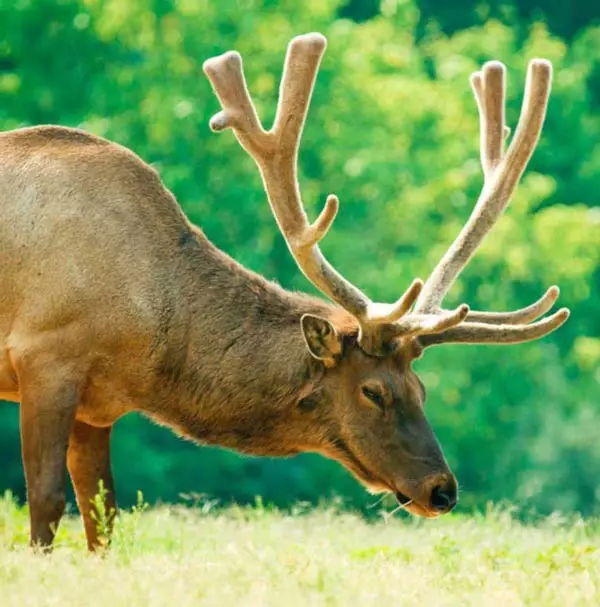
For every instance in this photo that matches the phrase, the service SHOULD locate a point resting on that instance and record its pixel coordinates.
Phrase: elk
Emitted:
(112, 301)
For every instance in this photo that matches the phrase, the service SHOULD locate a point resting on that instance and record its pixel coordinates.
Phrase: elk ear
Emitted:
(322, 340)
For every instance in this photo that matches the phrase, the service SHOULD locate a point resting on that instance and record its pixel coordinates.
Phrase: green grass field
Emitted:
(255, 556)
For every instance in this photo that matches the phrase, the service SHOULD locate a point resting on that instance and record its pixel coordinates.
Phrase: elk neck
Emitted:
(234, 366)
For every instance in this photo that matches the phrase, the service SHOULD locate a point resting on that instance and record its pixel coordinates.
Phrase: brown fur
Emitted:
(111, 301)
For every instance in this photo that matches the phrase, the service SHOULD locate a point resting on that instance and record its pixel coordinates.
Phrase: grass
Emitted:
(256, 556)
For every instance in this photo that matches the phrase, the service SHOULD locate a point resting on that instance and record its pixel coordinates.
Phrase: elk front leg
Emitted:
(88, 461)
(48, 407)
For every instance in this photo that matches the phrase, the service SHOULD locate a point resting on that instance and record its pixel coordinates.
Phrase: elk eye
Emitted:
(375, 397)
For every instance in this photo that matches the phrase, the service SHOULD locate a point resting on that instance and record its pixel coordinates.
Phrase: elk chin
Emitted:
(418, 510)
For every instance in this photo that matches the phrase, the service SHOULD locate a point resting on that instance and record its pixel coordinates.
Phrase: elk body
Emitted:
(111, 302)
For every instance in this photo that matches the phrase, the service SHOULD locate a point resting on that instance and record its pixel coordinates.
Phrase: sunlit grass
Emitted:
(256, 556)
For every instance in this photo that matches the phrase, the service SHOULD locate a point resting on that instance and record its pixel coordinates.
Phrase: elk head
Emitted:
(366, 389)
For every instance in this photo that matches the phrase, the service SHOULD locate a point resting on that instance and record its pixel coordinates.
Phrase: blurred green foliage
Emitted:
(394, 131)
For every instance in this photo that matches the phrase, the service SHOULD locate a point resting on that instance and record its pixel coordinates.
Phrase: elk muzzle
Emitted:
(438, 494)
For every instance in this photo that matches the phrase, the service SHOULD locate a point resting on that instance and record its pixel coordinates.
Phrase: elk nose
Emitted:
(444, 497)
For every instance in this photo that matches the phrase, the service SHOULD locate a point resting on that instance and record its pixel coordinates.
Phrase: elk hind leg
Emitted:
(88, 461)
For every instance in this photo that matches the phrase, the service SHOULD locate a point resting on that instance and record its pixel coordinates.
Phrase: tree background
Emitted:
(393, 130)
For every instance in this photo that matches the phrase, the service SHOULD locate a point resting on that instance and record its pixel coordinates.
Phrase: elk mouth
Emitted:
(410, 505)
(415, 507)
(402, 499)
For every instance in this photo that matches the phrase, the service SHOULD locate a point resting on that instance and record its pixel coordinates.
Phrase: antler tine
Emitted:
(297, 82)
(522, 316)
(380, 313)
(489, 87)
(479, 333)
(501, 177)
(226, 74)
(417, 324)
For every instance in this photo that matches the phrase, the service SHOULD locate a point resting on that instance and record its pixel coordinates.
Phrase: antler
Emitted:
(502, 173)
(276, 155)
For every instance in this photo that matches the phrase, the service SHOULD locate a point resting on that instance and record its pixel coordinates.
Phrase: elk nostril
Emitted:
(443, 499)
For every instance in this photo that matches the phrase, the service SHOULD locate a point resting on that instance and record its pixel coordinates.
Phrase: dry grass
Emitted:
(254, 556)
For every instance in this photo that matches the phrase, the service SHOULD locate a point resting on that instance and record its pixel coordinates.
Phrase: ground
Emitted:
(176, 556)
